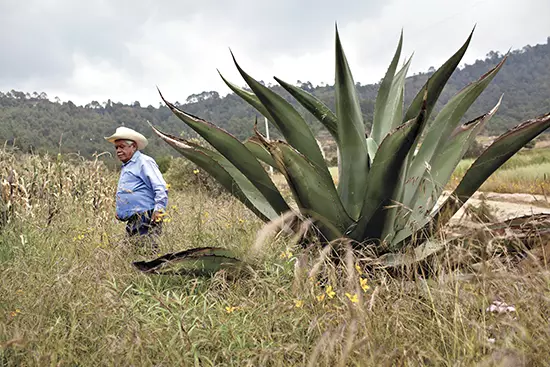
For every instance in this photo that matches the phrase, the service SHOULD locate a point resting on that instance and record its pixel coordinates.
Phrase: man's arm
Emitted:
(152, 173)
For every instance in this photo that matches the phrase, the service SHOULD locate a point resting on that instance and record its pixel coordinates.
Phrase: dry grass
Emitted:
(526, 172)
(69, 296)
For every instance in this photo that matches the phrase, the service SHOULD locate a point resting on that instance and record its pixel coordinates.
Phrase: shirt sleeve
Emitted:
(151, 173)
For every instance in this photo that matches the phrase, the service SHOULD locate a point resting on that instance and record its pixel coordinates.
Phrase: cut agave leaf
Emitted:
(197, 261)
(315, 194)
(354, 160)
(502, 149)
(314, 106)
(288, 121)
(225, 173)
(237, 154)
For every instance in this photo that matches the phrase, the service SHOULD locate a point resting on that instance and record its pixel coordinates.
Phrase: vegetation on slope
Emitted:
(32, 122)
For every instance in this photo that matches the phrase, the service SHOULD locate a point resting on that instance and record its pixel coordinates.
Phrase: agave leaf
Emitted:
(249, 97)
(315, 194)
(386, 99)
(237, 154)
(446, 121)
(289, 122)
(390, 115)
(259, 151)
(354, 160)
(314, 106)
(394, 110)
(441, 170)
(502, 149)
(225, 173)
(197, 261)
(444, 164)
(403, 259)
(372, 147)
(384, 183)
(436, 83)
(487, 163)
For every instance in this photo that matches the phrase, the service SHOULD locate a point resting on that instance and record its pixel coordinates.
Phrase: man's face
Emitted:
(124, 151)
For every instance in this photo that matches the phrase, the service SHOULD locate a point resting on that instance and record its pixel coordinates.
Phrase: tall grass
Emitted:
(69, 295)
(526, 172)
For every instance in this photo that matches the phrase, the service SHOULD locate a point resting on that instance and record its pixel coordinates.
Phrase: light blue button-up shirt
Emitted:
(140, 187)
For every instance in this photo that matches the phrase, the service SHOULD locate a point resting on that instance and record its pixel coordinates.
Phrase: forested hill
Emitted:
(31, 121)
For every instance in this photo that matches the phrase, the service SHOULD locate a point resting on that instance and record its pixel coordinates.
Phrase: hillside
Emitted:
(31, 121)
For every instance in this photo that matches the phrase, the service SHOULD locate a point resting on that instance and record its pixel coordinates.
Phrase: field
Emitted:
(527, 172)
(70, 296)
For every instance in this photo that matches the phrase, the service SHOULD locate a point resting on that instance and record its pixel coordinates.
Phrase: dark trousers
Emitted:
(142, 231)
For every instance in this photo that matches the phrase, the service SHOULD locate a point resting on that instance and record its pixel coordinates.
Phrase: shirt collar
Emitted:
(133, 159)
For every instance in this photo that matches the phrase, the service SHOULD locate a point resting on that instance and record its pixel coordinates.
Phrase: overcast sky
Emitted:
(121, 49)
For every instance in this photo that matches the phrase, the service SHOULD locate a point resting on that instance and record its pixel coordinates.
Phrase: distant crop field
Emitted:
(526, 172)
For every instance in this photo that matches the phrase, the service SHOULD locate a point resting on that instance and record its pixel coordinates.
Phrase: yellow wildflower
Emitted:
(168, 186)
(358, 268)
(329, 292)
(160, 215)
(241, 220)
(196, 171)
(286, 254)
(230, 309)
(364, 284)
(321, 297)
(299, 303)
(80, 237)
(352, 297)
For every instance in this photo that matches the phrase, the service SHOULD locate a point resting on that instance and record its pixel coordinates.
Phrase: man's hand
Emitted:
(157, 216)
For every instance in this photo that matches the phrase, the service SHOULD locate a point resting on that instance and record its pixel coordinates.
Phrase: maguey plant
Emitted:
(389, 180)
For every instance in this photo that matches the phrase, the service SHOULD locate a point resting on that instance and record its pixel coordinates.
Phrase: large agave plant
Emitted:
(390, 179)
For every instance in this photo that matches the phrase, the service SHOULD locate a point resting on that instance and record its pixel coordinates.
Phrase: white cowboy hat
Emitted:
(128, 134)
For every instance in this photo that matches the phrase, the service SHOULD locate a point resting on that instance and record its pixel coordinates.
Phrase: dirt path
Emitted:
(507, 206)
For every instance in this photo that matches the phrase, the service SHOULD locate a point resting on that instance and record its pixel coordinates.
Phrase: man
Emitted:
(142, 195)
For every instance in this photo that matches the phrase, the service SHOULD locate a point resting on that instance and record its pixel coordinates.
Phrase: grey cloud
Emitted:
(43, 38)
(44, 35)
(143, 42)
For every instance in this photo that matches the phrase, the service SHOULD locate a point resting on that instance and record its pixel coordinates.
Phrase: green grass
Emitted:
(69, 296)
(526, 172)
